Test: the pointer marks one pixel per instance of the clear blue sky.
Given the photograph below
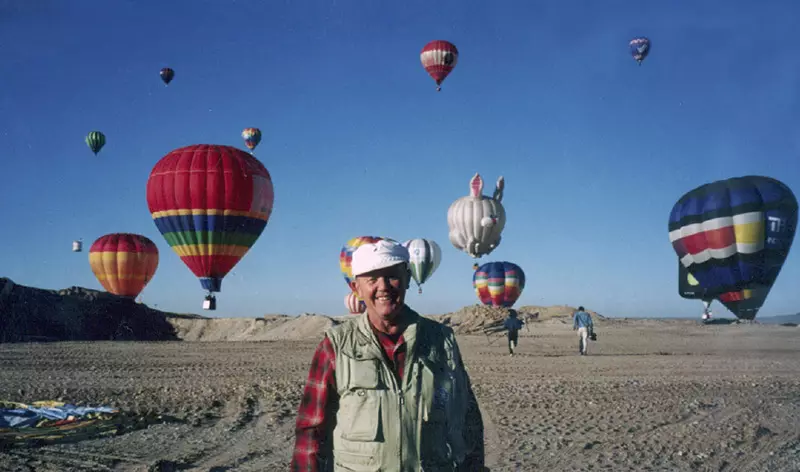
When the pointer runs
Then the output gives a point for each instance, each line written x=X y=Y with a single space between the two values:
x=595 y=149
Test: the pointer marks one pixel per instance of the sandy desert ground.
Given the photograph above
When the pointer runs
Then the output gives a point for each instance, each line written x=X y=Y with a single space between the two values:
x=652 y=396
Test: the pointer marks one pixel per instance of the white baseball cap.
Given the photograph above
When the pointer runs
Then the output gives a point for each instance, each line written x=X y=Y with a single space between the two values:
x=379 y=255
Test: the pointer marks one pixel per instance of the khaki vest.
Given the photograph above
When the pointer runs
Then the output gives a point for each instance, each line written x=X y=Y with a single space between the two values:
x=383 y=425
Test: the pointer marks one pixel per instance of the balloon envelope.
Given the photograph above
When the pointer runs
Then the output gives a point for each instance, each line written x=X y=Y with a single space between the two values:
x=95 y=140
x=354 y=304
x=211 y=203
x=123 y=263
x=733 y=236
x=251 y=136
x=439 y=58
x=639 y=48
x=346 y=254
x=476 y=221
x=167 y=75
x=499 y=283
x=424 y=258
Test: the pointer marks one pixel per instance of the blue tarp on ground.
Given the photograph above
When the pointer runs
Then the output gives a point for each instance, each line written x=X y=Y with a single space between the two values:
x=23 y=416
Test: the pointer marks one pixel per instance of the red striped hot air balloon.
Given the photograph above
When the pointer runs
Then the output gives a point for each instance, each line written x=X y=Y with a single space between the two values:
x=439 y=58
x=123 y=263
x=354 y=304
x=211 y=203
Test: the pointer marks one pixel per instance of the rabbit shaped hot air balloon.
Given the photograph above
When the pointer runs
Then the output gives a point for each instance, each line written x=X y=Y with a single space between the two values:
x=476 y=220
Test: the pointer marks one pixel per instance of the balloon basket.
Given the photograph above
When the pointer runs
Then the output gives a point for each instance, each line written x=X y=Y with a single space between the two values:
x=210 y=303
x=420 y=291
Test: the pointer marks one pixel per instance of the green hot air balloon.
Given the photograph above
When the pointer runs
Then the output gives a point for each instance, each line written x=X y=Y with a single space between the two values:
x=95 y=140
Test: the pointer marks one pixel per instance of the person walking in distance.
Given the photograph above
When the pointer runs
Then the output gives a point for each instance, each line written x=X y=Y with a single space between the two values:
x=513 y=324
x=387 y=390
x=582 y=322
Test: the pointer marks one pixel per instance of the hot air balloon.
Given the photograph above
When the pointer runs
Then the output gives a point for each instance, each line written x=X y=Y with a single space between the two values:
x=354 y=304
x=439 y=58
x=640 y=48
x=733 y=236
x=167 y=75
x=425 y=257
x=123 y=263
x=251 y=136
x=346 y=254
x=476 y=221
x=77 y=245
x=690 y=289
x=211 y=203
x=95 y=140
x=499 y=283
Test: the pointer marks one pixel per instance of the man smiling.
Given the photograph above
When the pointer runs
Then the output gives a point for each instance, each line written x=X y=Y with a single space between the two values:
x=387 y=390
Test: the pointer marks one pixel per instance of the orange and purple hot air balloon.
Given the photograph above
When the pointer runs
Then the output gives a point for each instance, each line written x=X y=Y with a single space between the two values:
x=123 y=262
x=211 y=203
x=499 y=283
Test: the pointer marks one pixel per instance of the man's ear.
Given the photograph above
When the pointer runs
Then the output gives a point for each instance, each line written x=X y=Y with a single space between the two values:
x=353 y=285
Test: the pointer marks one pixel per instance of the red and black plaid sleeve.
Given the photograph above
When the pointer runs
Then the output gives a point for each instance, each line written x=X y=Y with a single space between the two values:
x=313 y=427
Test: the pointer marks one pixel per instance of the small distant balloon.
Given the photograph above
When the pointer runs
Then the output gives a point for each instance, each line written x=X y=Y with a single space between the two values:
x=439 y=58
x=251 y=136
x=95 y=140
x=167 y=75
x=640 y=48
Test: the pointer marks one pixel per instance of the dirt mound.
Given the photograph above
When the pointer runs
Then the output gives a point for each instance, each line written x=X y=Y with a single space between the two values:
x=474 y=318
x=76 y=314
x=268 y=328
x=81 y=314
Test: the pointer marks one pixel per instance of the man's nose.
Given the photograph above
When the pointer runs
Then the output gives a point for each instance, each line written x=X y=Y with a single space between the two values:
x=383 y=282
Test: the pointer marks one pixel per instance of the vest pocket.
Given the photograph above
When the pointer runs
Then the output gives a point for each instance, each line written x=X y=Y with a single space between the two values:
x=359 y=416
x=356 y=462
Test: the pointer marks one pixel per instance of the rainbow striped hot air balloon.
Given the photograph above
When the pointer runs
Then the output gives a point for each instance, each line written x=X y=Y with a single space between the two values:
x=733 y=236
x=123 y=263
x=211 y=203
x=499 y=283
x=346 y=254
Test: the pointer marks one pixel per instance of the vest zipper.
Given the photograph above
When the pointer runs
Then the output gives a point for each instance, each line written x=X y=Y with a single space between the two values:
x=400 y=429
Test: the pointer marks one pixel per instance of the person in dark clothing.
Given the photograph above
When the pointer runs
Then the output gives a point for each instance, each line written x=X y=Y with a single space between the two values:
x=513 y=324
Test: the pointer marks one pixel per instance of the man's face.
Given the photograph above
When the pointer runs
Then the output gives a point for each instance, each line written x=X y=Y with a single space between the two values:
x=383 y=290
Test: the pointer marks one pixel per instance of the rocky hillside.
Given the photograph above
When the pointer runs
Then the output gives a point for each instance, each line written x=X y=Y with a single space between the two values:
x=76 y=314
